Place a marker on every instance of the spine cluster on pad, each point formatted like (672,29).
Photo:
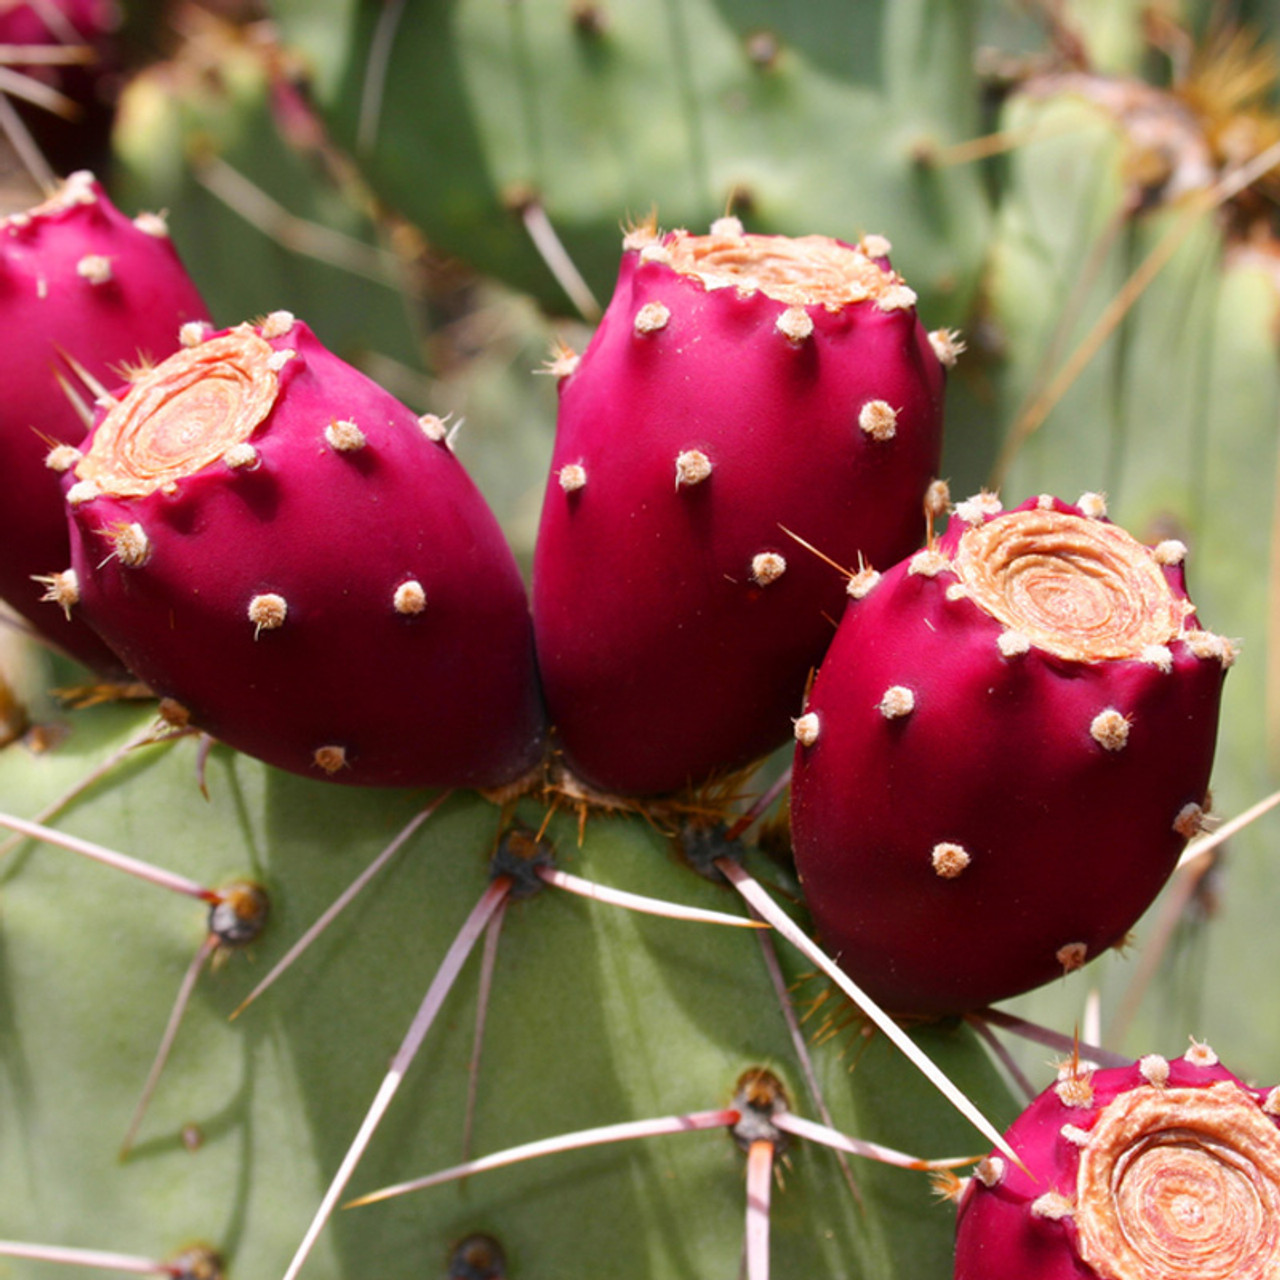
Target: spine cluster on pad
(1004,752)
(739,389)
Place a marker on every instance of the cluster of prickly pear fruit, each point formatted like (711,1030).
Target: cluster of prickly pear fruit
(1004,753)
(1163,1170)
(85,291)
(740,388)
(277,545)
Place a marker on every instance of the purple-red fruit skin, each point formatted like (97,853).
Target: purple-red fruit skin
(1000,1237)
(48,302)
(664,659)
(1067,841)
(440,690)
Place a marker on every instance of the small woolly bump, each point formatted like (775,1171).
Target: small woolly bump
(277,324)
(651,317)
(1271,1103)
(562,361)
(937,499)
(278,359)
(976,509)
(928,563)
(267,612)
(82,491)
(572,477)
(330,759)
(344,436)
(956,591)
(1094,505)
(1159,656)
(1046,502)
(1075,1089)
(131,544)
(433,427)
(94,268)
(1190,821)
(767,567)
(1169,552)
(949,860)
(878,419)
(1072,956)
(410,598)
(62,589)
(1200,1055)
(947,346)
(727,226)
(861,583)
(152,224)
(897,297)
(1075,1135)
(1206,645)
(1110,729)
(1054,1206)
(898,701)
(795,324)
(1154,1069)
(1012,644)
(241,457)
(990,1171)
(692,467)
(807,729)
(193,333)
(875,246)
(655,252)
(62,457)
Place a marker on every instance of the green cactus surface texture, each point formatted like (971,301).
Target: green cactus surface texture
(1076,205)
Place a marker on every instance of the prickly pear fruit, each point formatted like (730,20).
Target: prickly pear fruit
(1003,754)
(738,384)
(276,543)
(1156,1171)
(78,280)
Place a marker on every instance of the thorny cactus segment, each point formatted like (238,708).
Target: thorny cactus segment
(738,387)
(352,615)
(204,401)
(82,289)
(1158,1171)
(1021,816)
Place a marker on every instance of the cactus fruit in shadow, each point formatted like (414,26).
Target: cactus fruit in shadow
(738,387)
(275,543)
(1163,1170)
(85,291)
(1006,749)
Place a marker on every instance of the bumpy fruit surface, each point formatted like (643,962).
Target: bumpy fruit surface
(1158,1171)
(276,543)
(78,279)
(1004,753)
(737,385)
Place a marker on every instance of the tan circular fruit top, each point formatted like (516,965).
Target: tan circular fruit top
(800,271)
(1078,588)
(1181,1184)
(183,415)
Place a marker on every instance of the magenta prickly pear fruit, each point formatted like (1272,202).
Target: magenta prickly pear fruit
(1157,1171)
(79,282)
(1006,749)
(276,543)
(737,387)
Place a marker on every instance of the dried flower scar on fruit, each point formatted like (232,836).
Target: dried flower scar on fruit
(273,541)
(1165,1170)
(86,291)
(738,386)
(1017,732)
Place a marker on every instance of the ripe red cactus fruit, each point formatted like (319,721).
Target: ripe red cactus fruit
(1003,755)
(738,386)
(1163,1170)
(276,543)
(81,286)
